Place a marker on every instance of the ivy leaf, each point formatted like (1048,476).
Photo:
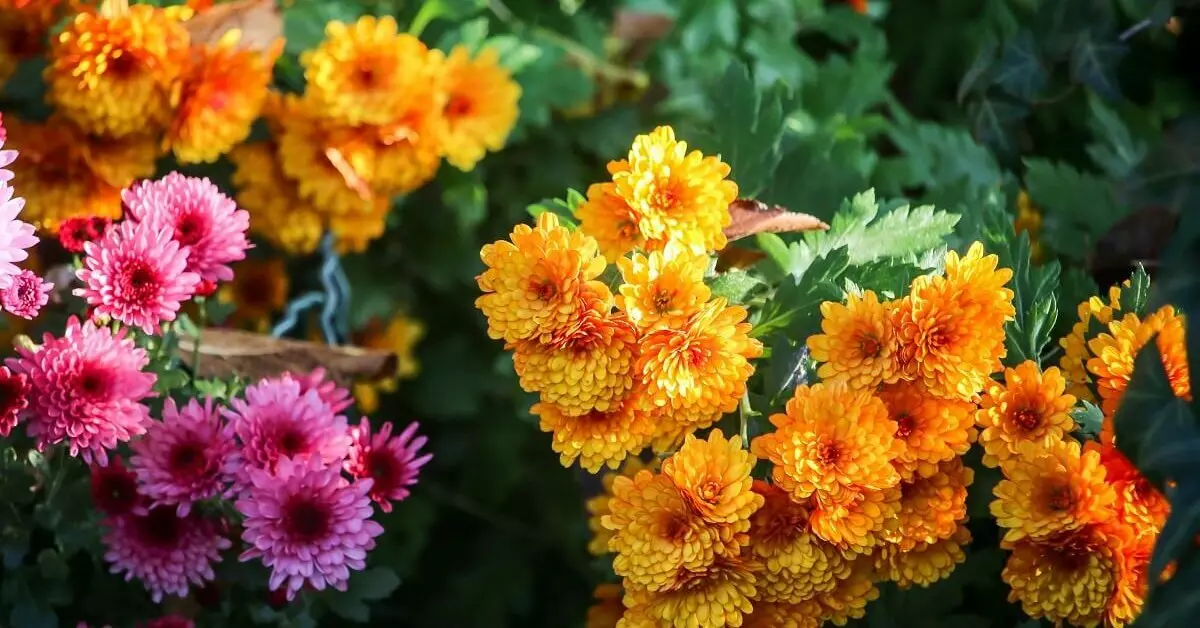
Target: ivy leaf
(788,367)
(1177,601)
(973,78)
(746,127)
(1021,72)
(1095,64)
(736,286)
(1088,419)
(1083,207)
(1154,428)
(1115,149)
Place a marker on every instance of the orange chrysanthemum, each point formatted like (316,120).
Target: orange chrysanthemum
(849,599)
(932,507)
(857,522)
(607,609)
(951,328)
(796,565)
(934,430)
(482,106)
(858,344)
(662,289)
(259,289)
(1132,581)
(1116,350)
(276,212)
(117,162)
(408,151)
(23,30)
(533,285)
(1075,344)
(804,614)
(598,506)
(1139,504)
(713,476)
(697,372)
(1066,578)
(1029,407)
(1050,488)
(221,94)
(333,167)
(606,216)
(924,564)
(112,74)
(596,438)
(355,232)
(657,536)
(710,597)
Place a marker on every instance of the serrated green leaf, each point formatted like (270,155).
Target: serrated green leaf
(736,286)
(558,207)
(795,306)
(1137,295)
(787,369)
(939,155)
(1088,419)
(1115,149)
(1077,205)
(817,172)
(747,124)
(1021,71)
(888,277)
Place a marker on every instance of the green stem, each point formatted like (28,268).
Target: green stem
(202,305)
(426,14)
(744,419)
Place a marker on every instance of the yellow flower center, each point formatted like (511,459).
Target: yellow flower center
(663,300)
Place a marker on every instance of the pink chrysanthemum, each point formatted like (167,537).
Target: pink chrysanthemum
(26,295)
(334,396)
(168,553)
(276,421)
(189,456)
(136,274)
(15,235)
(86,389)
(391,462)
(115,489)
(308,524)
(199,217)
(14,398)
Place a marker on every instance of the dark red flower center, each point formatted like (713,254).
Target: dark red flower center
(122,64)
(114,489)
(383,468)
(663,300)
(160,527)
(1059,497)
(306,519)
(190,228)
(14,393)
(292,442)
(869,346)
(675,527)
(188,459)
(138,282)
(458,107)
(905,424)
(1027,419)
(93,383)
(546,291)
(829,454)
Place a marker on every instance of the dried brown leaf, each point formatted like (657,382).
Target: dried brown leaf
(260,23)
(349,174)
(737,257)
(751,217)
(227,352)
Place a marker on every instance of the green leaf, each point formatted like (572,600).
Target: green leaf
(973,78)
(348,607)
(1079,207)
(304,25)
(515,54)
(1095,64)
(736,286)
(795,307)
(465,194)
(888,277)
(376,583)
(938,155)
(450,10)
(1088,419)
(1034,299)
(1154,428)
(1176,602)
(788,368)
(746,127)
(565,210)
(996,123)
(817,172)
(1115,149)
(1137,295)
(1021,71)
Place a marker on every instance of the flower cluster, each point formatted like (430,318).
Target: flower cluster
(379,112)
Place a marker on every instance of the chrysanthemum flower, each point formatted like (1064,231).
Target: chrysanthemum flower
(15,235)
(1029,407)
(23,33)
(115,489)
(1139,504)
(1051,487)
(662,289)
(258,290)
(277,213)
(859,342)
(120,161)
(832,441)
(588,366)
(696,373)
(1132,576)
(14,398)
(355,232)
(1115,351)
(1069,577)
(481,108)
(308,524)
(610,220)
(200,218)
(220,95)
(276,421)
(857,522)
(170,621)
(112,74)
(533,285)
(934,430)
(332,167)
(73,233)
(136,275)
(598,506)
(795,564)
(391,462)
(335,398)
(25,295)
(597,438)
(932,507)
(713,476)
(400,335)
(1075,345)
(715,596)
(607,608)
(674,194)
(657,534)
(805,614)
(86,389)
(951,328)
(924,564)
(167,552)
(849,599)
(187,457)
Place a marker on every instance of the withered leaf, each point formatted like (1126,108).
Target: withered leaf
(737,257)
(751,217)
(349,174)
(227,352)
(260,23)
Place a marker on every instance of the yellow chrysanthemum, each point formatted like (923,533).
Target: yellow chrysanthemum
(673,194)
(931,508)
(951,328)
(658,538)
(713,476)
(1029,407)
(23,33)
(276,212)
(710,597)
(408,151)
(482,106)
(119,162)
(1116,350)
(534,283)
(1029,220)
(597,438)
(934,430)
(857,522)
(587,367)
(662,289)
(363,73)
(355,232)
(221,94)
(112,74)
(1051,487)
(924,564)
(609,218)
(1066,578)
(1132,582)
(1075,344)
(333,167)
(804,614)
(796,565)
(607,609)
(598,506)
(832,441)
(399,336)
(858,344)
(849,599)
(698,372)
(259,289)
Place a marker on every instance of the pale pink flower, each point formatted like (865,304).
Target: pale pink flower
(308,524)
(277,420)
(26,295)
(189,456)
(15,235)
(391,462)
(86,389)
(6,156)
(168,553)
(199,217)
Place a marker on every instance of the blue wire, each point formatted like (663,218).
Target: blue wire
(334,299)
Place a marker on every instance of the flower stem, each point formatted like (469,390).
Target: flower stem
(744,411)
(202,305)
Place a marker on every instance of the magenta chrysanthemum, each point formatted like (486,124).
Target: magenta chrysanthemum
(168,553)
(189,456)
(86,389)
(276,421)
(115,489)
(14,398)
(136,274)
(15,235)
(334,396)
(25,295)
(308,524)
(6,156)
(199,217)
(170,621)
(392,463)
